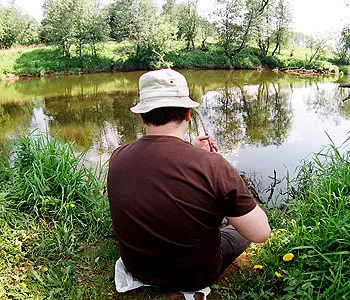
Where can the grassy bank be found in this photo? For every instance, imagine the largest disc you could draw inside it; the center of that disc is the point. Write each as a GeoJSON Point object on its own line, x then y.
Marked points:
{"type": "Point", "coordinates": [56, 240]}
{"type": "Point", "coordinates": [111, 57]}
{"type": "Point", "coordinates": [308, 253]}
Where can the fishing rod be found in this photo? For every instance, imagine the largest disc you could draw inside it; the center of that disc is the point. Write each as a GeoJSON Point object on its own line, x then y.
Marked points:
{"type": "Point", "coordinates": [205, 128]}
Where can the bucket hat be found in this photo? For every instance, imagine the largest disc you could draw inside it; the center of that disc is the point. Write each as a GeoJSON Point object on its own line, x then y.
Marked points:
{"type": "Point", "coordinates": [163, 88]}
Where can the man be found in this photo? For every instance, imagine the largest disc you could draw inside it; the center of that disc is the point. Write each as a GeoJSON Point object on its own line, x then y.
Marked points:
{"type": "Point", "coordinates": [168, 198]}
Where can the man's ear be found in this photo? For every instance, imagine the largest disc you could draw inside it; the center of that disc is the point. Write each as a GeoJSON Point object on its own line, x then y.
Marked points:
{"type": "Point", "coordinates": [188, 115]}
{"type": "Point", "coordinates": [143, 122]}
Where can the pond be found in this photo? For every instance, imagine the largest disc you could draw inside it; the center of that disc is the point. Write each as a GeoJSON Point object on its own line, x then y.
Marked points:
{"type": "Point", "coordinates": [264, 122]}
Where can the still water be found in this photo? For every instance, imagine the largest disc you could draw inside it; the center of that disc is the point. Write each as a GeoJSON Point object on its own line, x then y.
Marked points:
{"type": "Point", "coordinates": [263, 121]}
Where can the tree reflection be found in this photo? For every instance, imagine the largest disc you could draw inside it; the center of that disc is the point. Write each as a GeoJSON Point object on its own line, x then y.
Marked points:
{"type": "Point", "coordinates": [326, 101]}
{"type": "Point", "coordinates": [14, 119]}
{"type": "Point", "coordinates": [100, 118]}
{"type": "Point", "coordinates": [259, 114]}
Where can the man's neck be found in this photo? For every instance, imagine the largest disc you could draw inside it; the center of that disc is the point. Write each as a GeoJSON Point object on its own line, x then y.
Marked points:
{"type": "Point", "coordinates": [170, 129]}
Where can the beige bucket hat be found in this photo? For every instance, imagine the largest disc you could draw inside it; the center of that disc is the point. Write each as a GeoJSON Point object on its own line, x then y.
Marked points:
{"type": "Point", "coordinates": [163, 88]}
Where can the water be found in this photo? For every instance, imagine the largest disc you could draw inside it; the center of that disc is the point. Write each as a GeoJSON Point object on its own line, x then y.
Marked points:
{"type": "Point", "coordinates": [263, 122]}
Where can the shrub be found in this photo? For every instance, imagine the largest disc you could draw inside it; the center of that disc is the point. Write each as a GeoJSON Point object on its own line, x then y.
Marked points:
{"type": "Point", "coordinates": [271, 62]}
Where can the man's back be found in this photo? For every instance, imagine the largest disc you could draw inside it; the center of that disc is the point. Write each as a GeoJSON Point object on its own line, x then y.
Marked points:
{"type": "Point", "coordinates": [167, 200]}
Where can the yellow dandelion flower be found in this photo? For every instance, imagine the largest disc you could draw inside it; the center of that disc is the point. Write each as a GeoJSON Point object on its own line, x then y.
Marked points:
{"type": "Point", "coordinates": [72, 205]}
{"type": "Point", "coordinates": [288, 256]}
{"type": "Point", "coordinates": [23, 284]}
{"type": "Point", "coordinates": [258, 267]}
{"type": "Point", "coordinates": [98, 220]}
{"type": "Point", "coordinates": [278, 275]}
{"type": "Point", "coordinates": [101, 192]}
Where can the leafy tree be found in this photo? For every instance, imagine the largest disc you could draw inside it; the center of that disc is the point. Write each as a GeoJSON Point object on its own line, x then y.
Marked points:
{"type": "Point", "coordinates": [229, 22]}
{"type": "Point", "coordinates": [72, 22]}
{"type": "Point", "coordinates": [138, 21]}
{"type": "Point", "coordinates": [238, 22]}
{"type": "Point", "coordinates": [283, 20]}
{"type": "Point", "coordinates": [343, 46]}
{"type": "Point", "coordinates": [205, 29]}
{"type": "Point", "coordinates": [318, 46]}
{"type": "Point", "coordinates": [13, 26]}
{"type": "Point", "coordinates": [188, 23]}
{"type": "Point", "coordinates": [121, 19]}
{"type": "Point", "coordinates": [273, 27]}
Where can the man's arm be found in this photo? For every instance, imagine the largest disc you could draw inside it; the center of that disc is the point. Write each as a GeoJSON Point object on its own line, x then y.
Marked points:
{"type": "Point", "coordinates": [254, 225]}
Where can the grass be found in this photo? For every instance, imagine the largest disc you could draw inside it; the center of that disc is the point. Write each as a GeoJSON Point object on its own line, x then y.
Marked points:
{"type": "Point", "coordinates": [56, 240]}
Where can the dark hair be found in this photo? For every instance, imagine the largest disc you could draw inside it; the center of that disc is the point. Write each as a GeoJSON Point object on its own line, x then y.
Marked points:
{"type": "Point", "coordinates": [164, 115]}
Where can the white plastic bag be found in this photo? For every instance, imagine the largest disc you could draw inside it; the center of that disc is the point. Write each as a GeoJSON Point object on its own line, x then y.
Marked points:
{"type": "Point", "coordinates": [124, 282]}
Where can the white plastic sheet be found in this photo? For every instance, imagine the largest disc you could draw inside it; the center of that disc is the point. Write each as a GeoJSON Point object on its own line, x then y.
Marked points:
{"type": "Point", "coordinates": [124, 282]}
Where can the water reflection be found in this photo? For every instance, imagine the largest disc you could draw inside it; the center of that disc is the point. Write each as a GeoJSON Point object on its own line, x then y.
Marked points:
{"type": "Point", "coordinates": [255, 116]}
{"type": "Point", "coordinates": [90, 119]}
{"type": "Point", "coordinates": [258, 115]}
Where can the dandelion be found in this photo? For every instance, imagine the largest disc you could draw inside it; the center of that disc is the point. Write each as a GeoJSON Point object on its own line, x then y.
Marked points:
{"type": "Point", "coordinates": [258, 267]}
{"type": "Point", "coordinates": [23, 284]}
{"type": "Point", "coordinates": [278, 275]}
{"type": "Point", "coordinates": [72, 205]}
{"type": "Point", "coordinates": [101, 192]}
{"type": "Point", "coordinates": [98, 220]}
{"type": "Point", "coordinates": [288, 256]}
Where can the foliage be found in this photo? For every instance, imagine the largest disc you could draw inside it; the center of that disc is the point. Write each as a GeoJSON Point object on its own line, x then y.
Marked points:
{"type": "Point", "coordinates": [343, 47]}
{"type": "Point", "coordinates": [245, 60]}
{"type": "Point", "coordinates": [68, 23]}
{"type": "Point", "coordinates": [136, 21]}
{"type": "Point", "coordinates": [198, 59]}
{"type": "Point", "coordinates": [17, 28]}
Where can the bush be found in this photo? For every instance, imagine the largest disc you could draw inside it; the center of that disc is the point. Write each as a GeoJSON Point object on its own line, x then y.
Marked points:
{"type": "Point", "coordinates": [198, 59]}
{"type": "Point", "coordinates": [245, 60]}
{"type": "Point", "coordinates": [345, 69]}
{"type": "Point", "coordinates": [272, 62]}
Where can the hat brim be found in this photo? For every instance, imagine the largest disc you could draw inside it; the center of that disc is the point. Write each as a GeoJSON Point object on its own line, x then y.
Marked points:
{"type": "Point", "coordinates": [153, 103]}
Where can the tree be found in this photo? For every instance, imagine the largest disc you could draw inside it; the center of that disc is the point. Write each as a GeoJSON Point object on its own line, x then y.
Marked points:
{"type": "Point", "coordinates": [121, 19]}
{"type": "Point", "coordinates": [188, 23]}
{"type": "Point", "coordinates": [205, 29]}
{"type": "Point", "coordinates": [138, 21]}
{"type": "Point", "coordinates": [229, 22]}
{"type": "Point", "coordinates": [13, 26]}
{"type": "Point", "coordinates": [283, 20]}
{"type": "Point", "coordinates": [238, 21]}
{"type": "Point", "coordinates": [72, 22]}
{"type": "Point", "coordinates": [318, 46]}
{"type": "Point", "coordinates": [343, 46]}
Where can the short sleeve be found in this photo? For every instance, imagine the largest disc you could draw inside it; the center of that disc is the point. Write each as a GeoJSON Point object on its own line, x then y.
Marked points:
{"type": "Point", "coordinates": [233, 196]}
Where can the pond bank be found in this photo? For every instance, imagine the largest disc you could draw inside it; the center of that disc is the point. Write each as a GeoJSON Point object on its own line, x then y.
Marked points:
{"type": "Point", "coordinates": [44, 61]}
{"type": "Point", "coordinates": [55, 243]}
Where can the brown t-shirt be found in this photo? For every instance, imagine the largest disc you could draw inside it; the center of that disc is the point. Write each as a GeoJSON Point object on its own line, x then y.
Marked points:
{"type": "Point", "coordinates": [168, 199]}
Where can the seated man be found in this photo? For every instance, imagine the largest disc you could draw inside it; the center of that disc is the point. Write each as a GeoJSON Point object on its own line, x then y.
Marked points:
{"type": "Point", "coordinates": [168, 198]}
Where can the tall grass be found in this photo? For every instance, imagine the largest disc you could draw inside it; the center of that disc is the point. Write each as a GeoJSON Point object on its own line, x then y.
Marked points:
{"type": "Point", "coordinates": [55, 228]}
{"type": "Point", "coordinates": [49, 180]}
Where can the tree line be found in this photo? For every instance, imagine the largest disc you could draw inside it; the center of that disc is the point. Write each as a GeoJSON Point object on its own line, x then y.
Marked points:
{"type": "Point", "coordinates": [234, 25]}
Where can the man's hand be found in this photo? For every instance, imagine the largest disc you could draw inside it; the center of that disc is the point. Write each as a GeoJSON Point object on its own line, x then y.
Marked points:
{"type": "Point", "coordinates": [203, 143]}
